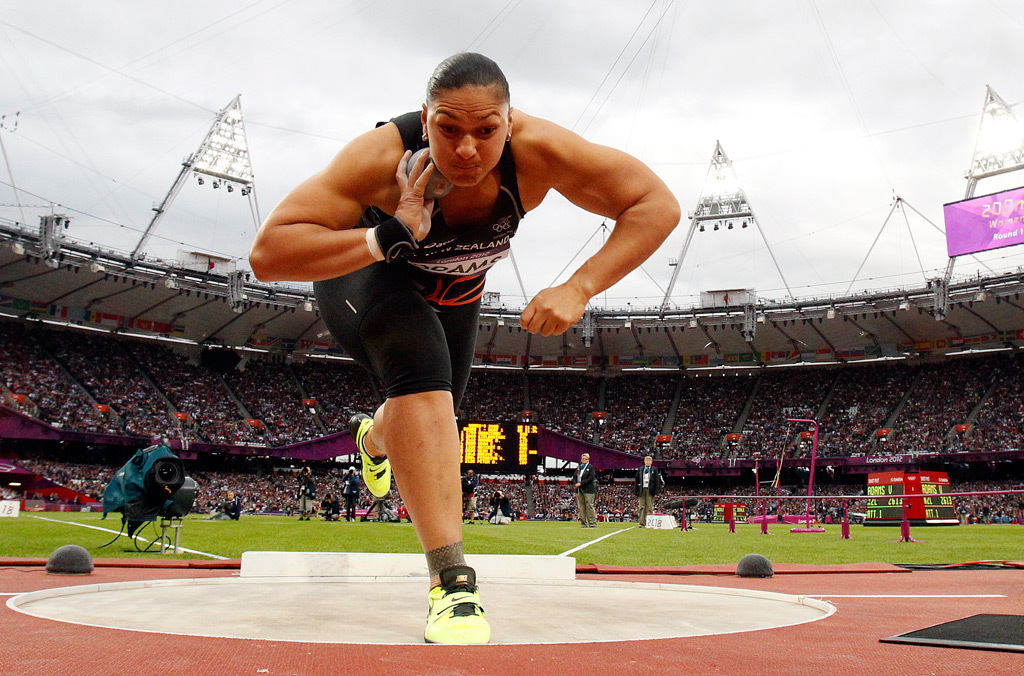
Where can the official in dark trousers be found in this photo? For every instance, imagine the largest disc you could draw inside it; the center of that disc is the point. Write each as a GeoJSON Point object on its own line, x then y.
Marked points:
{"type": "Point", "coordinates": [648, 484]}
{"type": "Point", "coordinates": [350, 489]}
{"type": "Point", "coordinates": [585, 482]}
{"type": "Point", "coordinates": [469, 486]}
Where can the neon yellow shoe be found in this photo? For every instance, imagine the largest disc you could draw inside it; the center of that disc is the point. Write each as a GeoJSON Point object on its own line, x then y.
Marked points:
{"type": "Point", "coordinates": [456, 615]}
{"type": "Point", "coordinates": [376, 471]}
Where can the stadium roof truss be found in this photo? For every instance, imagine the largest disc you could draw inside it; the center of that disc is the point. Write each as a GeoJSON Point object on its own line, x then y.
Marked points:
{"type": "Point", "coordinates": [78, 284]}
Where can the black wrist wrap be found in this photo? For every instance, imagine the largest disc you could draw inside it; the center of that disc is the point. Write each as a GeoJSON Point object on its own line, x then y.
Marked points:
{"type": "Point", "coordinates": [395, 239]}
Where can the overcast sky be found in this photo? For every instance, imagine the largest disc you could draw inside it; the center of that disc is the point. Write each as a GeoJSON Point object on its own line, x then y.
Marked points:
{"type": "Point", "coordinates": [827, 110]}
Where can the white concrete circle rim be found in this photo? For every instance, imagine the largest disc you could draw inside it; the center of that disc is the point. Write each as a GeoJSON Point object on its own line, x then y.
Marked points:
{"type": "Point", "coordinates": [813, 609]}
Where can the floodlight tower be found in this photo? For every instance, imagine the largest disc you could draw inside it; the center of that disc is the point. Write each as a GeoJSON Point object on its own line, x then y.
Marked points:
{"type": "Point", "coordinates": [722, 202]}
{"type": "Point", "coordinates": [999, 149]}
{"type": "Point", "coordinates": [223, 156]}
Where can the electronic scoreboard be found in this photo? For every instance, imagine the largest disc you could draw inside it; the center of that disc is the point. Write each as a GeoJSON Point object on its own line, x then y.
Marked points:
{"type": "Point", "coordinates": [928, 507]}
{"type": "Point", "coordinates": [726, 511]}
{"type": "Point", "coordinates": [499, 447]}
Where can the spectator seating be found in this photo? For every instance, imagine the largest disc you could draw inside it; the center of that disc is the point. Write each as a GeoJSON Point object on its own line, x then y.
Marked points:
{"type": "Point", "coordinates": [111, 384]}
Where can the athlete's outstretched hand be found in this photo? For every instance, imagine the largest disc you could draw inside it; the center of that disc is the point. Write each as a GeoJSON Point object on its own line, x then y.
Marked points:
{"type": "Point", "coordinates": [554, 310]}
{"type": "Point", "coordinates": [412, 209]}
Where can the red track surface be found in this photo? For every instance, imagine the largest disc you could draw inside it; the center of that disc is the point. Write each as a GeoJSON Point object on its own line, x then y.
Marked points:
{"type": "Point", "coordinates": [845, 643]}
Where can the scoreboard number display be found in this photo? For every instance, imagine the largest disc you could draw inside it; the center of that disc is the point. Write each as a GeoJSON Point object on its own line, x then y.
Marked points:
{"type": "Point", "coordinates": [724, 511]}
{"type": "Point", "coordinates": [929, 506]}
{"type": "Point", "coordinates": [499, 447]}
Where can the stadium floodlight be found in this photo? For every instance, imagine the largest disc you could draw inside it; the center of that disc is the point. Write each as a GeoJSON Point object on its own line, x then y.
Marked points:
{"type": "Point", "coordinates": [97, 267]}
{"type": "Point", "coordinates": [224, 153]}
{"type": "Point", "coordinates": [223, 156]}
{"type": "Point", "coordinates": [722, 202]}
{"type": "Point", "coordinates": [18, 248]}
{"type": "Point", "coordinates": [999, 147]}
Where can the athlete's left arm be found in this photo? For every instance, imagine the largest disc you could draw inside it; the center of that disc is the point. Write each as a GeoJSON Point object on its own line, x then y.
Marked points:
{"type": "Point", "coordinates": [609, 183]}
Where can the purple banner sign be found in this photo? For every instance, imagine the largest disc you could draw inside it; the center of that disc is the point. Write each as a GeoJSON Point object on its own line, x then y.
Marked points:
{"type": "Point", "coordinates": [983, 223]}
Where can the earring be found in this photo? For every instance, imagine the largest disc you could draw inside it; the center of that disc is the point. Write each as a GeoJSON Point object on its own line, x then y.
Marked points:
{"type": "Point", "coordinates": [508, 139]}
{"type": "Point", "coordinates": [424, 136]}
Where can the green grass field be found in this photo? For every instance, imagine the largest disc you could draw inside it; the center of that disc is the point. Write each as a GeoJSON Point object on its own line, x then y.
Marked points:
{"type": "Point", "coordinates": [31, 536]}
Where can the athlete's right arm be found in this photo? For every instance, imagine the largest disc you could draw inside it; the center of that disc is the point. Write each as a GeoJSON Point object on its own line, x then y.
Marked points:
{"type": "Point", "coordinates": [308, 237]}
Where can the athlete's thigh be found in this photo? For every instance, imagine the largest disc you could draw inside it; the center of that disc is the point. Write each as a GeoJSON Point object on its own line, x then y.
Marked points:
{"type": "Point", "coordinates": [381, 320]}
{"type": "Point", "coordinates": [460, 324]}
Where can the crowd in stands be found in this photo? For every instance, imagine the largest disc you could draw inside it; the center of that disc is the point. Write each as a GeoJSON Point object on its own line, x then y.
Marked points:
{"type": "Point", "coordinates": [862, 402]}
{"type": "Point", "coordinates": [271, 492]}
{"type": "Point", "coordinates": [988, 508]}
{"type": "Point", "coordinates": [564, 402]}
{"type": "Point", "coordinates": [782, 395]}
{"type": "Point", "coordinates": [339, 390]}
{"type": "Point", "coordinates": [199, 393]}
{"type": "Point", "coordinates": [708, 410]}
{"type": "Point", "coordinates": [89, 480]}
{"type": "Point", "coordinates": [493, 395]}
{"type": "Point", "coordinates": [274, 490]}
{"type": "Point", "coordinates": [1000, 422]}
{"type": "Point", "coordinates": [104, 369]}
{"type": "Point", "coordinates": [943, 395]}
{"type": "Point", "coordinates": [28, 371]}
{"type": "Point", "coordinates": [270, 392]}
{"type": "Point", "coordinates": [636, 406]}
{"type": "Point", "coordinates": [102, 383]}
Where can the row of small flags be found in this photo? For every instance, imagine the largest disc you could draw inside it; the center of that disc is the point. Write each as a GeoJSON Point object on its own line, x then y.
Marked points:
{"type": "Point", "coordinates": [642, 360]}
{"type": "Point", "coordinates": [329, 347]}
{"type": "Point", "coordinates": [767, 357]}
{"type": "Point", "coordinates": [79, 314]}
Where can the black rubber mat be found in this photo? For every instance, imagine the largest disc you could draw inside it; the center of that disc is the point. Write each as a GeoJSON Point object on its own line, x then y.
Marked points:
{"type": "Point", "coordinates": [979, 632]}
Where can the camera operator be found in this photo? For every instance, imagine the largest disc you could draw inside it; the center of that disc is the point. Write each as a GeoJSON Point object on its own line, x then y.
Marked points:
{"type": "Point", "coordinates": [230, 509]}
{"type": "Point", "coordinates": [306, 494]}
{"type": "Point", "coordinates": [331, 508]}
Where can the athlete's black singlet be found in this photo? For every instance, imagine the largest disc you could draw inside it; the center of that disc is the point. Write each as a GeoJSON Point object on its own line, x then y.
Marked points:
{"type": "Point", "coordinates": [413, 323]}
{"type": "Point", "coordinates": [449, 266]}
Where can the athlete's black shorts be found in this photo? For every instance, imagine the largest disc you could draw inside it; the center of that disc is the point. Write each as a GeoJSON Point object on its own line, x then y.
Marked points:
{"type": "Point", "coordinates": [381, 319]}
